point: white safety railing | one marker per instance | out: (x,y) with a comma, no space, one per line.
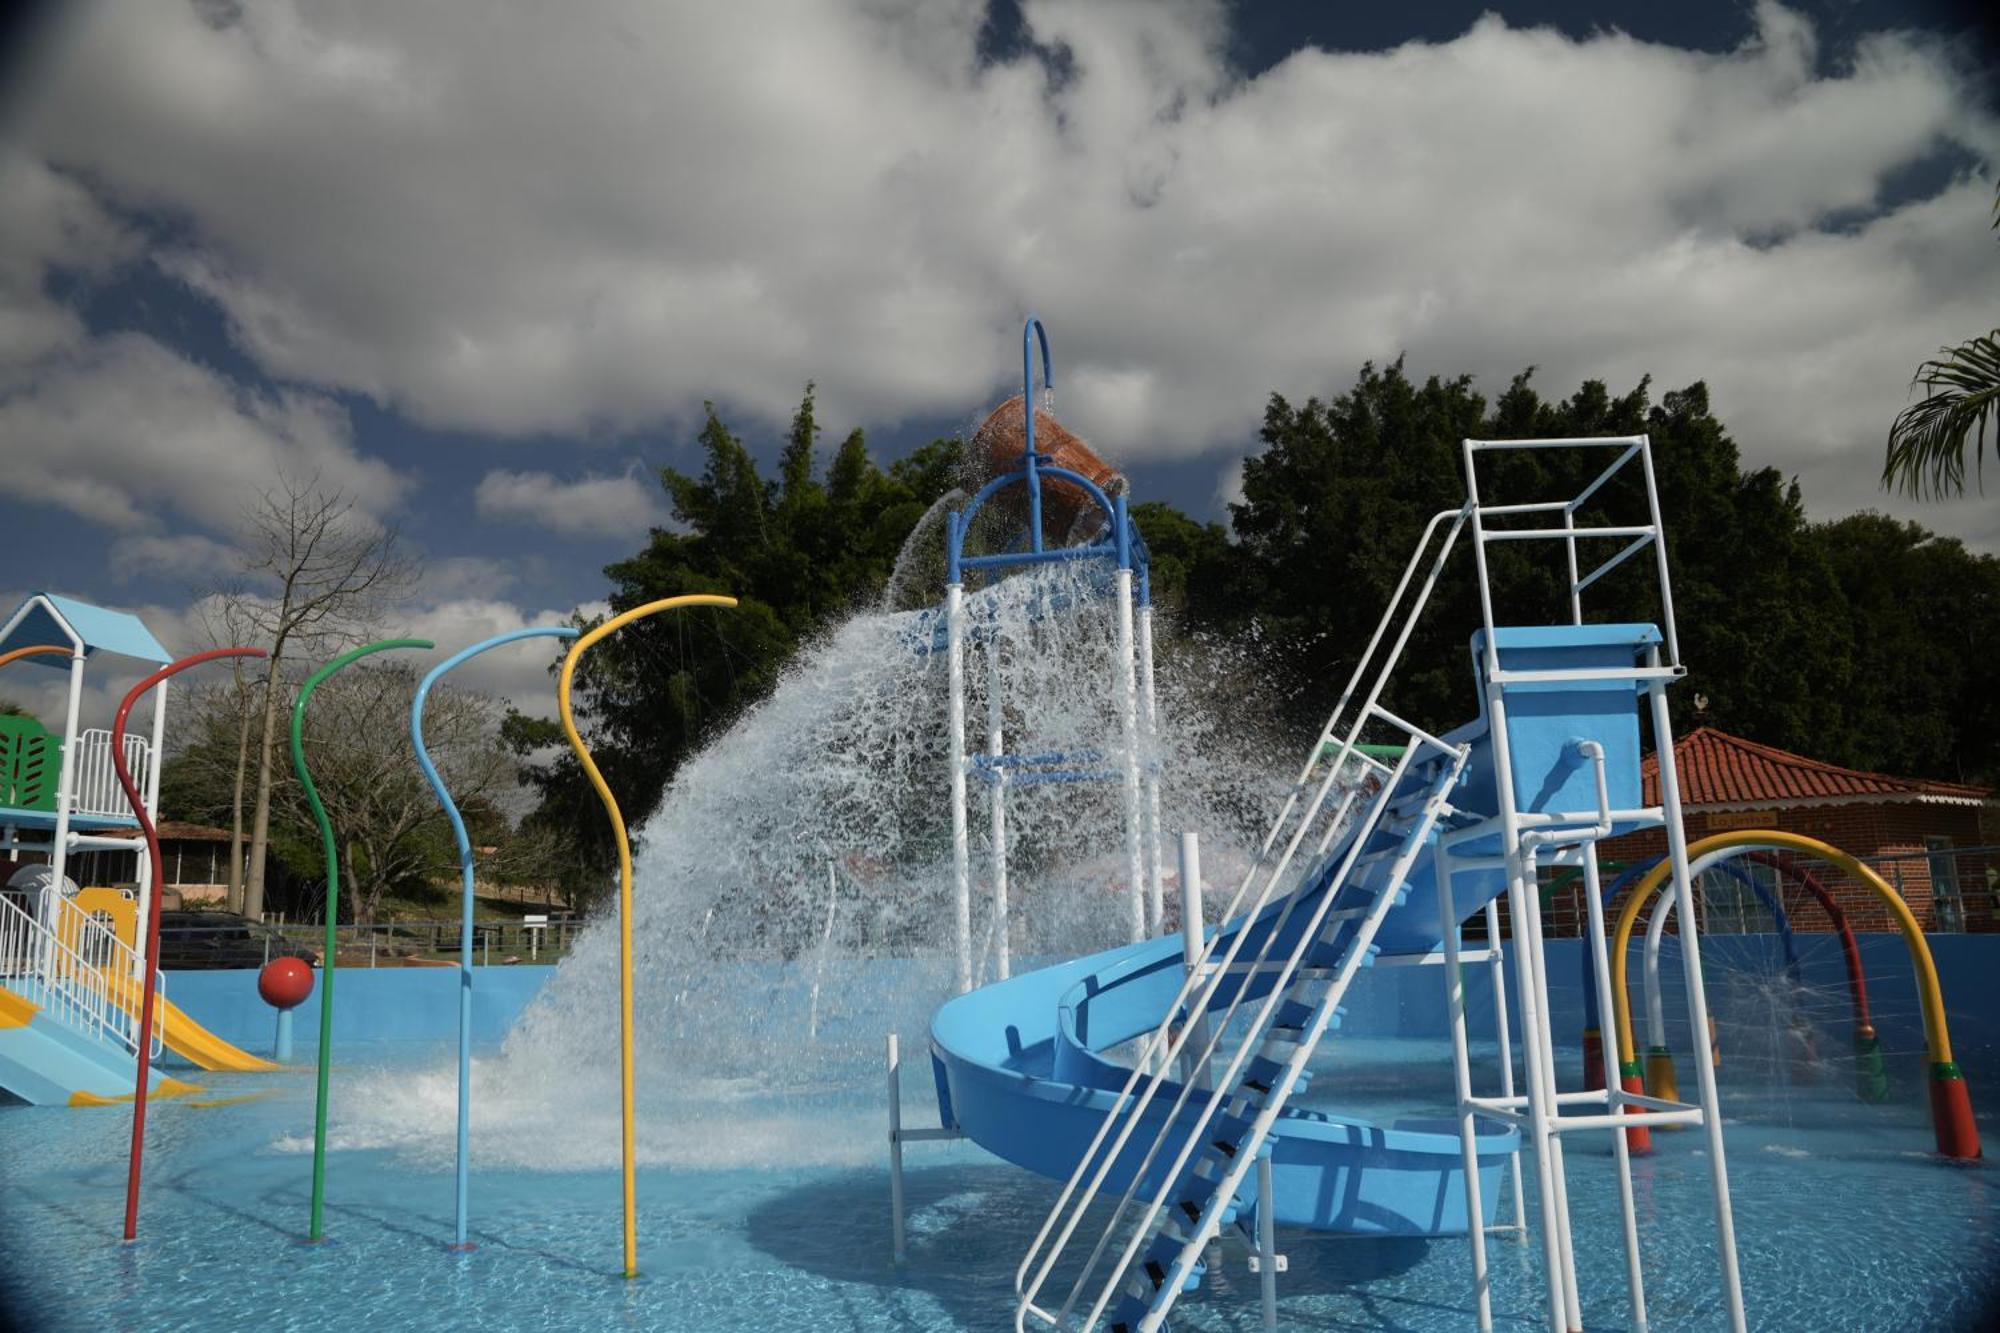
(96,781)
(79,970)
(1348,769)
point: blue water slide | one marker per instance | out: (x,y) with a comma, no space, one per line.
(1024,1068)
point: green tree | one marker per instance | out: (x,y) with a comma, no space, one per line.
(1922,618)
(1335,502)
(798,552)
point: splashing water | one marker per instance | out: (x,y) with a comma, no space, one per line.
(760,999)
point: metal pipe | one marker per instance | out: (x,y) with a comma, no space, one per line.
(466,882)
(1461,1075)
(1670,800)
(961,845)
(1621,1152)
(149,978)
(896,1150)
(629,1114)
(995,717)
(316,1228)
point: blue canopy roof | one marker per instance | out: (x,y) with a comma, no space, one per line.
(49,618)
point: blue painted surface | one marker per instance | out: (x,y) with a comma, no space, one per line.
(377,1004)
(46,1061)
(100,629)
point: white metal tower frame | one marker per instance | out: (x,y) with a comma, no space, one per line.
(63,840)
(1570,837)
(1131,665)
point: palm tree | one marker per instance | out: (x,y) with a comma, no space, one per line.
(1927,441)
(1961,396)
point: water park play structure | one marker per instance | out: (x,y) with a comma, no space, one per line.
(1225,1020)
(72,974)
(1164,1083)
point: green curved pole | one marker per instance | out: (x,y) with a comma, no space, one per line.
(317,1232)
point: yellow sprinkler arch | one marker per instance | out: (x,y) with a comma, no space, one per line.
(624,840)
(1951,1103)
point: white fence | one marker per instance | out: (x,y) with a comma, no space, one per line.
(97,789)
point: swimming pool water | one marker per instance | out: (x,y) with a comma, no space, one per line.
(1844,1220)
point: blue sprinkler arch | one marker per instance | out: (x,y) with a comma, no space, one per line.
(1631,874)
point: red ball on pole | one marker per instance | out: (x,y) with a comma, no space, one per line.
(285,982)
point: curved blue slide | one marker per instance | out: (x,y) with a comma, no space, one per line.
(1021,1070)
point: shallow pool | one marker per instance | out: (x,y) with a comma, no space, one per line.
(1844,1219)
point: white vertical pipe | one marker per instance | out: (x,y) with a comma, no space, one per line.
(1534,1029)
(151,796)
(1149,777)
(1128,718)
(65,798)
(1461,1075)
(1635,1278)
(995,720)
(961,852)
(1267,1237)
(1538,971)
(1538,1110)
(1496,966)
(896,1149)
(1198,1071)
(1711,1107)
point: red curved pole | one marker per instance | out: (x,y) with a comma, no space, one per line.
(1857,980)
(147,983)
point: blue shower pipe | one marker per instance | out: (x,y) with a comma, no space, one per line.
(466,879)
(1031,472)
(1638,868)
(1029,333)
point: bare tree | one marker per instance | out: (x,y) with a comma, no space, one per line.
(231,708)
(390,827)
(316,574)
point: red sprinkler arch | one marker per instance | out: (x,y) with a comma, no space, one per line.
(1870,1078)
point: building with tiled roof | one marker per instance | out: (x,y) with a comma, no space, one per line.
(1915,831)
(1720,772)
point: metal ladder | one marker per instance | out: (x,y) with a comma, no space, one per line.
(1389,828)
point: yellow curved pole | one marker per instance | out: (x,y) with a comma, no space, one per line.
(590,769)
(1936,1032)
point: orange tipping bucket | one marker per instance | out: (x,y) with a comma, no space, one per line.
(997,447)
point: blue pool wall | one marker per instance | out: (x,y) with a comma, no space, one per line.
(420,1005)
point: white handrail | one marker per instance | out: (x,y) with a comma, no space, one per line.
(1205,976)
(74,968)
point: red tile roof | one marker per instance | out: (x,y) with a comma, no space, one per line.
(1719,769)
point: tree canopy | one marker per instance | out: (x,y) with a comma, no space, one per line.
(1864,641)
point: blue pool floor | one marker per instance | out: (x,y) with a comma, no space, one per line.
(1844,1219)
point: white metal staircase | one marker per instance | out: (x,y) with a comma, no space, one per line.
(1364,850)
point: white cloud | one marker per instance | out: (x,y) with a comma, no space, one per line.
(187,555)
(593,506)
(124,431)
(591,226)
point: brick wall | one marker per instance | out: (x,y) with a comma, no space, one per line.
(1896,830)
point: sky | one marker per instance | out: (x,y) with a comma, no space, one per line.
(481,267)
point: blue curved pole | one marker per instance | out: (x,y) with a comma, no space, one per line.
(1029,333)
(466,878)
